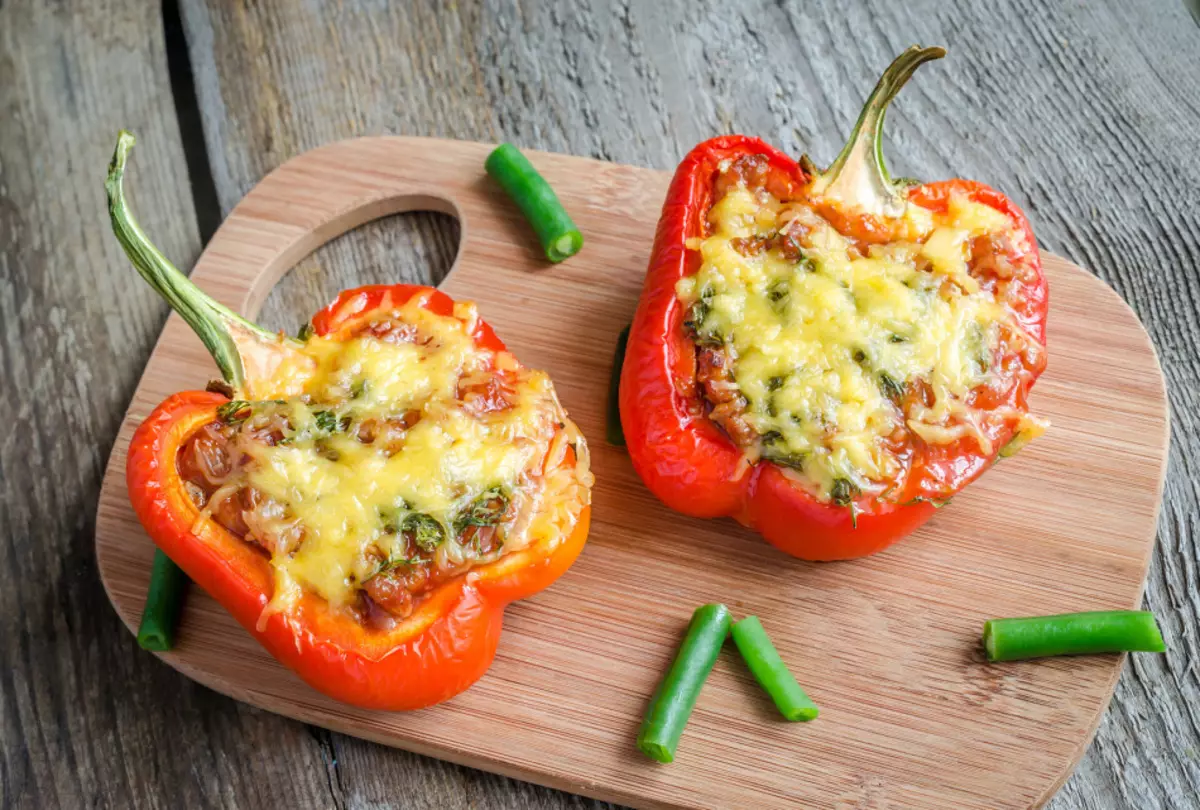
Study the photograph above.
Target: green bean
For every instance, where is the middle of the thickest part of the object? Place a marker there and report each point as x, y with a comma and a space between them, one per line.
613, 430
676, 695
529, 190
1103, 631
163, 604
769, 670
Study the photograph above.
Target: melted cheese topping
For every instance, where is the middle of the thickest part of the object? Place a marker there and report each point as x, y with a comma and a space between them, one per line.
346, 497
827, 335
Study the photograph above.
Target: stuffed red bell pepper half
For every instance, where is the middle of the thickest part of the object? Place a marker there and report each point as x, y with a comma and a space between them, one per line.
827, 356
365, 499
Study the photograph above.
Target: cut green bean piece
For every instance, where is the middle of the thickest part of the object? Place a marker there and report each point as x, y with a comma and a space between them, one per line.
529, 190
614, 433
771, 673
164, 602
676, 695
1105, 631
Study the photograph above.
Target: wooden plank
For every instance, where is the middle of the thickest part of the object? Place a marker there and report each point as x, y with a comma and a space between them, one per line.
87, 719
888, 643
1082, 112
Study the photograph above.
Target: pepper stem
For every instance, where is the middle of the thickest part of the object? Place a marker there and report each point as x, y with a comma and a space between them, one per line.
223, 332
859, 176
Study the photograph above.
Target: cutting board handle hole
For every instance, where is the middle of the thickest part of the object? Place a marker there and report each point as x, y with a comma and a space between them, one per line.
414, 247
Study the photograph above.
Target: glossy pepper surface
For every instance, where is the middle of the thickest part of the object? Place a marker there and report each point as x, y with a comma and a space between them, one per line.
689, 462
450, 639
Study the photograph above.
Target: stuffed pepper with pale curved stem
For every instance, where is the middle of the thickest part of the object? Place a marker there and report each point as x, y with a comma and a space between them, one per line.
364, 499
826, 356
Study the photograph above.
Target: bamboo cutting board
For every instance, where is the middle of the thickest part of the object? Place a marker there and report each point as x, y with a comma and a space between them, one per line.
911, 716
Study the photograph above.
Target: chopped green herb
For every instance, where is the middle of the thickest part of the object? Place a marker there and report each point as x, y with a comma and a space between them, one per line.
426, 532
778, 294
977, 346
844, 491
775, 383
330, 422
892, 389
477, 544
855, 511
231, 413
935, 503
390, 564
897, 339
326, 421
359, 388
776, 451
304, 332
697, 315
486, 510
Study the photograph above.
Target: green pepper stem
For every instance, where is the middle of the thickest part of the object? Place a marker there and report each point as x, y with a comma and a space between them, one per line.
223, 332
859, 175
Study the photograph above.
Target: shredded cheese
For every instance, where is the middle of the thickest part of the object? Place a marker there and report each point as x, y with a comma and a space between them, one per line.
344, 494
823, 346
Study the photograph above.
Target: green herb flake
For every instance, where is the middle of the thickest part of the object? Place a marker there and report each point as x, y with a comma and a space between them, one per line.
696, 320
486, 510
234, 412
892, 389
424, 530
391, 564
778, 294
330, 422
844, 492
934, 502
304, 332
776, 451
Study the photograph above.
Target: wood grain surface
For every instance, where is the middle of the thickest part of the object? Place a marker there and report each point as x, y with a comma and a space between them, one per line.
889, 646
1085, 112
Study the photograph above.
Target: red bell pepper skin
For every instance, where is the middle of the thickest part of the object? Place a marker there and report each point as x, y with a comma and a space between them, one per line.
440, 650
690, 463
443, 647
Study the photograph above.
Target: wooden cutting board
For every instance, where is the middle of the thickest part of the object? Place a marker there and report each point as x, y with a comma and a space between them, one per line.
911, 716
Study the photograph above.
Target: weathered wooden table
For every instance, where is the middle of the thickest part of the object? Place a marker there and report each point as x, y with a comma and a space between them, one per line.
1087, 113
